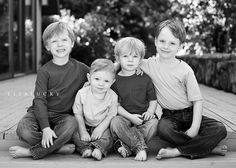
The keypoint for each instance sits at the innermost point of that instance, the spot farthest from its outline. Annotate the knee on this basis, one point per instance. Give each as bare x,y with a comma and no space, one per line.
70,124
164,128
24,132
153,122
116,122
221,129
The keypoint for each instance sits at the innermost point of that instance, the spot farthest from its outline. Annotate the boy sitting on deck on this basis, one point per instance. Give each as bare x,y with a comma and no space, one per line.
49,123
182,124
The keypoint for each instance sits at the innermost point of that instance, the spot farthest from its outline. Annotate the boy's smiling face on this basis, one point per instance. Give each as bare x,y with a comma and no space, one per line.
60,45
100,81
167,44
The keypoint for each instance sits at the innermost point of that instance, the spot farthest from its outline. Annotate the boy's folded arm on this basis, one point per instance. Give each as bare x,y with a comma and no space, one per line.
152,107
40,99
78,112
197,118
121,111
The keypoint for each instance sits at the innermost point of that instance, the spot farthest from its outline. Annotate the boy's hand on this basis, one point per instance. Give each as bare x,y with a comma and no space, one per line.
136,119
191,132
85,136
47,139
139,71
147,116
97,134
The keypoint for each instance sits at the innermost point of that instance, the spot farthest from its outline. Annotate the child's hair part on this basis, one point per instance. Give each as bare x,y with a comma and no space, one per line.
56,28
102,64
176,27
132,45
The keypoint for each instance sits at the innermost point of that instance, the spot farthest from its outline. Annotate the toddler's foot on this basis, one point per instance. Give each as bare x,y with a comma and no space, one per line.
220,150
18,152
66,149
141,156
123,152
87,153
168,153
97,154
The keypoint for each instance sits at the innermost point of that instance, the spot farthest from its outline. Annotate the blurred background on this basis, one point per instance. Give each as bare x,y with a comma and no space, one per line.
211,32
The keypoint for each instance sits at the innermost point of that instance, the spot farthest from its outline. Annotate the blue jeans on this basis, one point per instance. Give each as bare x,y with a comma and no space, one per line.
104,144
28,130
173,124
134,137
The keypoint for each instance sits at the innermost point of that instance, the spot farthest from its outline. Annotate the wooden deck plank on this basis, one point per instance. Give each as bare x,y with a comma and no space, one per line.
115,161
16,95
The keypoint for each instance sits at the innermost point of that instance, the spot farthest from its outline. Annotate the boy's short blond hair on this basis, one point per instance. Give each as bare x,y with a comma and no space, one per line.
102,64
129,45
176,27
56,28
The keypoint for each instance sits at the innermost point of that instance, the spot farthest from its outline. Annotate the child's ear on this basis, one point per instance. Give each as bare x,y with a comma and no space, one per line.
155,41
47,47
88,77
73,44
117,59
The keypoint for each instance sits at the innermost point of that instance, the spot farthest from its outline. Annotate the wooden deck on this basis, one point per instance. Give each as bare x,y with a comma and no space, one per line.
17,94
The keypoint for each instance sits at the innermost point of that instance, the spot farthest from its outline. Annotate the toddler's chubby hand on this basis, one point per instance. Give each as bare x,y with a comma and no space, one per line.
137,119
85,136
97,134
147,116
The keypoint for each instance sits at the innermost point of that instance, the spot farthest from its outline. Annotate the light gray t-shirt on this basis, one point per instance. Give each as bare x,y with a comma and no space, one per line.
176,86
95,110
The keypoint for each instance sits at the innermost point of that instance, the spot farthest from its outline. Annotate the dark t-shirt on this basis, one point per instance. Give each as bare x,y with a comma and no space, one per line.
55,89
134,92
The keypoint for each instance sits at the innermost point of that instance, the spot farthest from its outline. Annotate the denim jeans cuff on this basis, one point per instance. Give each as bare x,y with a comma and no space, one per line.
139,148
119,143
81,151
96,145
35,152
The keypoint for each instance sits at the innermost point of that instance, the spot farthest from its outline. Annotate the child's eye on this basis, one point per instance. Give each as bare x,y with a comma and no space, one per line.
64,40
136,56
107,81
53,41
172,43
96,79
162,41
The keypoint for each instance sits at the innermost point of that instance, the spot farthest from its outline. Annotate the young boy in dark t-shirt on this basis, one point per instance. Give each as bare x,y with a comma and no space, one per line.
49,123
136,123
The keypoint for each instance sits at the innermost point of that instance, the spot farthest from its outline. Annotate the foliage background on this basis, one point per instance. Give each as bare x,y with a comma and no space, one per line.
210,25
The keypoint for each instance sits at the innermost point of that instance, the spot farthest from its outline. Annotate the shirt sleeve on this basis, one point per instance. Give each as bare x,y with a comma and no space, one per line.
40,99
151,94
114,106
193,90
77,106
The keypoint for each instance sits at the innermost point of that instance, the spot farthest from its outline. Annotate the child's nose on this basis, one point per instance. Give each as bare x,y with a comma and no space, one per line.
130,58
59,43
101,83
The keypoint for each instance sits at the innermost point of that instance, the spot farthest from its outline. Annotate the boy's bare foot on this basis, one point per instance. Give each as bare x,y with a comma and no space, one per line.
66,149
168,153
87,153
122,151
97,154
220,150
141,156
19,152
